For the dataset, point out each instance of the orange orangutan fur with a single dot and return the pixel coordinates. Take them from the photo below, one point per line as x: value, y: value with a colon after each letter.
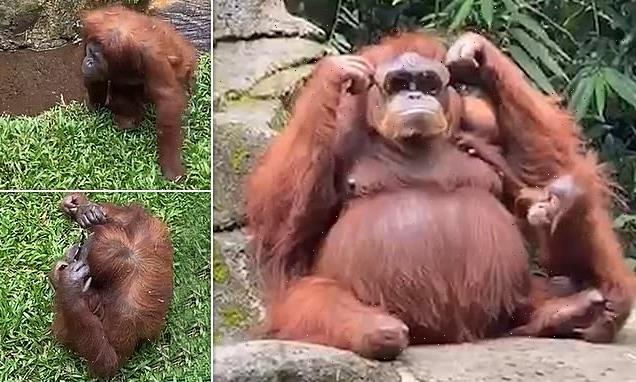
x: 148, y: 61
x: 442, y: 255
x: 130, y: 261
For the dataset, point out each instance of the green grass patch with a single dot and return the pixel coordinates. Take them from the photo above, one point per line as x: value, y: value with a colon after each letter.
x: 34, y: 234
x: 70, y: 147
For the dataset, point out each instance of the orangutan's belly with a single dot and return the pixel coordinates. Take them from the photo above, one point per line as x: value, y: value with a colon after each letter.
x: 425, y: 254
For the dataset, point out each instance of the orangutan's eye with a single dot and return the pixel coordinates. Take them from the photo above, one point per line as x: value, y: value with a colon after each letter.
x: 428, y: 82
x: 398, y: 82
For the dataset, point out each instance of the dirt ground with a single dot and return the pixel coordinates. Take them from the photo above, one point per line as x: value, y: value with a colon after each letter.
x: 32, y: 82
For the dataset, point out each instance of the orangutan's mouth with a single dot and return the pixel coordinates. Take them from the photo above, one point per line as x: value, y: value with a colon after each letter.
x: 423, y: 122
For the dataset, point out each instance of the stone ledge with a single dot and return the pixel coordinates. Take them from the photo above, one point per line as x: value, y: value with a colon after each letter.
x: 241, y: 133
x: 511, y: 359
x: 190, y: 17
x: 238, y: 66
x: 288, y: 361
x: 245, y: 19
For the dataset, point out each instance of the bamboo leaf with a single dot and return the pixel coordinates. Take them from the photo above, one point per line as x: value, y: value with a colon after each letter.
x: 487, y: 10
x: 533, y: 26
x: 624, y: 86
x: 462, y: 13
x: 510, y: 6
x: 583, y: 72
x: 580, y: 100
x: 623, y: 220
x: 537, y: 51
x: 347, y: 17
x: 595, y: 131
x: 631, y: 263
x: 600, y: 94
x: 452, y: 5
x: 531, y: 68
x: 340, y: 43
x: 616, y: 19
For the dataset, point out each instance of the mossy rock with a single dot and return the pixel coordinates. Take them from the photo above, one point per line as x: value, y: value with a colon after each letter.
x: 244, y: 19
x: 241, y: 133
x: 47, y: 24
x: 281, y: 84
x: 240, y: 65
x: 191, y: 18
x: 237, y: 305
x: 505, y: 359
x: 38, y: 24
x: 274, y: 361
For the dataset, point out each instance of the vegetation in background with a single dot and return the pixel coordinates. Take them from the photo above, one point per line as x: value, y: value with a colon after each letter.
x: 34, y: 234
x: 585, y: 50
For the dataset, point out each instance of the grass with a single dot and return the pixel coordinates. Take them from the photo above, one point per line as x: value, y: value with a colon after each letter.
x: 34, y: 234
x: 69, y: 147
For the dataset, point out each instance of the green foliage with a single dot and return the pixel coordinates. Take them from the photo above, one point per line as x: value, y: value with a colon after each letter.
x: 584, y: 50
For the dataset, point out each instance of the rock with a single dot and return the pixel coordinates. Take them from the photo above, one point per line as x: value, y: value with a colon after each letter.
x: 38, y: 24
x: 240, y: 65
x: 260, y: 59
x: 628, y: 334
x: 320, y: 12
x: 265, y: 361
x: 190, y: 17
x: 47, y: 24
x: 506, y: 359
x: 20, y: 18
x: 247, y: 19
x: 241, y: 132
x: 237, y: 304
x: 510, y: 359
x: 281, y: 84
x: 520, y: 359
